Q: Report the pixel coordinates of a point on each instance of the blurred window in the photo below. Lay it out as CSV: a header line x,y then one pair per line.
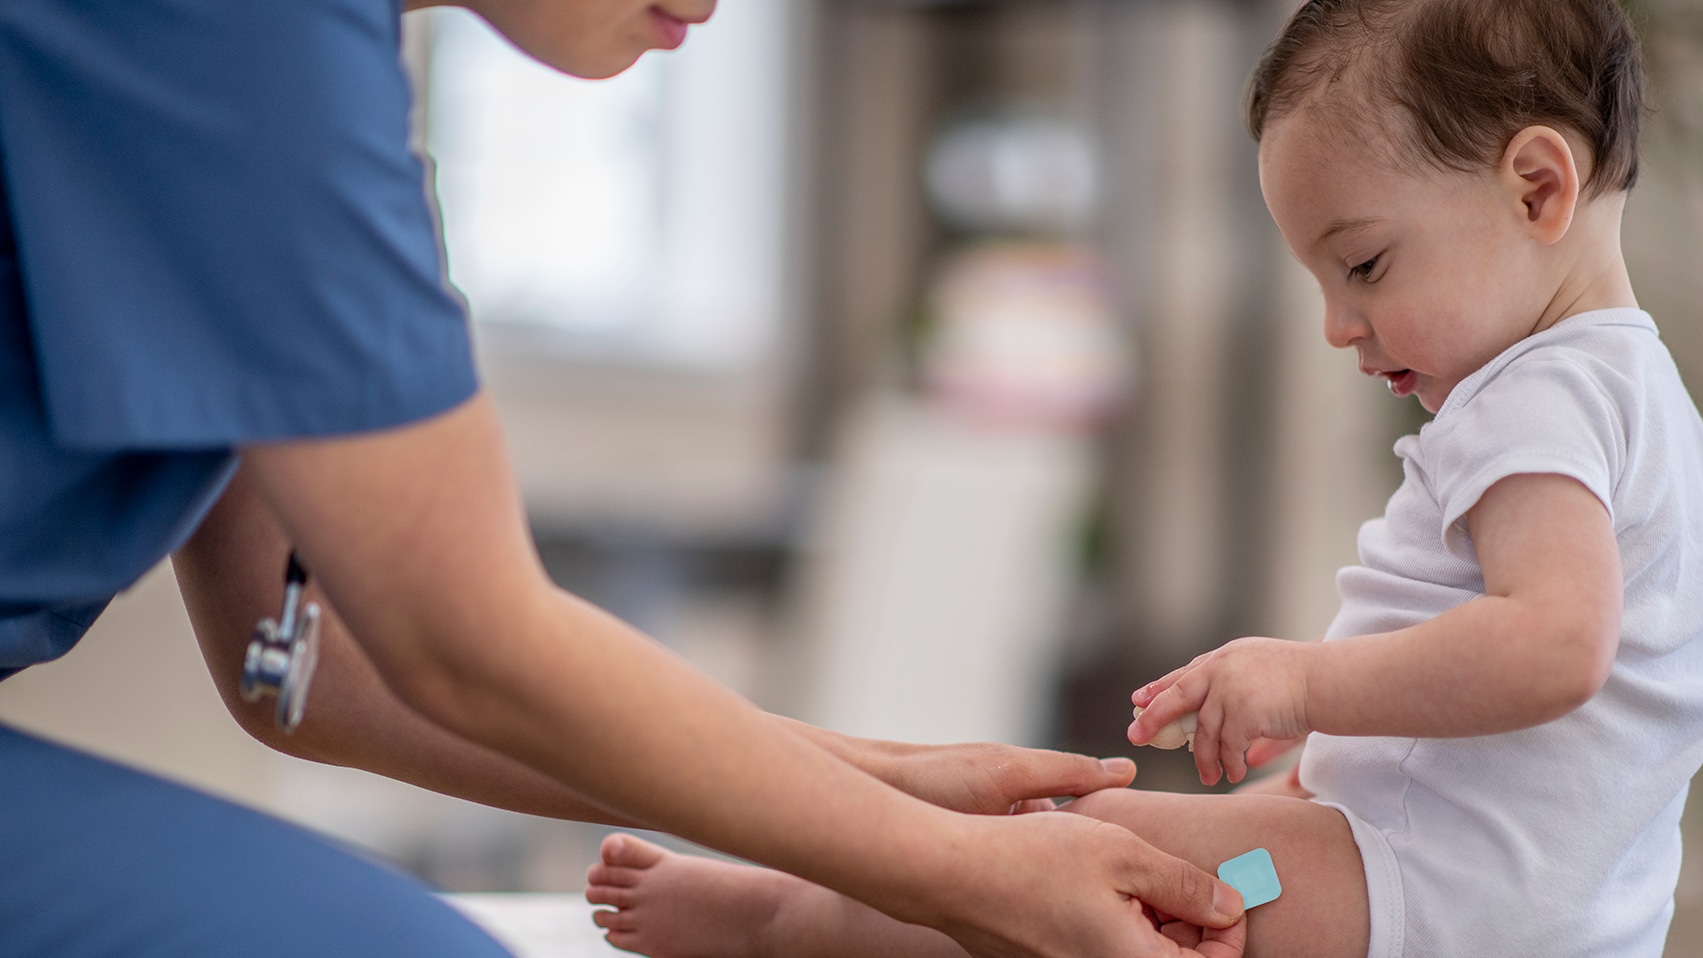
x,y
637,219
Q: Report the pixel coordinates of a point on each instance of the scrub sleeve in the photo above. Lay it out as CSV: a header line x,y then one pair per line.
x,y
211,234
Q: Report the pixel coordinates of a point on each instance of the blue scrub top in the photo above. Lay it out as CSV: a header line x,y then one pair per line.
x,y
212,233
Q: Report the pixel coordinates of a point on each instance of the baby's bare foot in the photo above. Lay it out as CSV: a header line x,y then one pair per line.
x,y
680,906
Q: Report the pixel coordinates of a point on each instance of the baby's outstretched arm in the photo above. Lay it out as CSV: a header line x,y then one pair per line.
x,y
1535,646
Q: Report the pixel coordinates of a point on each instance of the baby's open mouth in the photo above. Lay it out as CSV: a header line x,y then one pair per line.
x,y
1400,381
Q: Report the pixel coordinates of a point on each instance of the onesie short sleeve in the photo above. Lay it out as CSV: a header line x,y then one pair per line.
x,y
1546,412
221,234
212,233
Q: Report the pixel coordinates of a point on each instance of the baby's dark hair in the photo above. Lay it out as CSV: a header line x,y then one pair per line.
x,y
1469,74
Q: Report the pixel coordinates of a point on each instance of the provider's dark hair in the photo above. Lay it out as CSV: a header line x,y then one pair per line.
x,y
1470,74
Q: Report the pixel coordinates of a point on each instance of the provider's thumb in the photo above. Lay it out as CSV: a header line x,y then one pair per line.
x,y
1178,888
1078,775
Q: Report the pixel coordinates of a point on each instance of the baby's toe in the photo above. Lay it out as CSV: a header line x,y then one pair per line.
x,y
626,851
619,897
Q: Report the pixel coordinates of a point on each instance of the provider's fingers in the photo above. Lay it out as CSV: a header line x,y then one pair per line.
x,y
1177,888
1037,773
1223,942
1181,932
1207,942
986,779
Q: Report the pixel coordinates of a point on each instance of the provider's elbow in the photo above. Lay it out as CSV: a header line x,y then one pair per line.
x,y
444,676
259,720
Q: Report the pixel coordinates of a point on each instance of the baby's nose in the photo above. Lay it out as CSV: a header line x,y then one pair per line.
x,y
1344,327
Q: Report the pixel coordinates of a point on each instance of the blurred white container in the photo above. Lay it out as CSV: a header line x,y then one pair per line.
x,y
937,587
1026,333
1015,170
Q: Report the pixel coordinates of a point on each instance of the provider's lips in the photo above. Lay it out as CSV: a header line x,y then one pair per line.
x,y
670,29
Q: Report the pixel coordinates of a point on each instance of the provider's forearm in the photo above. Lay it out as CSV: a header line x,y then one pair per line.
x,y
417,538
230,574
623,721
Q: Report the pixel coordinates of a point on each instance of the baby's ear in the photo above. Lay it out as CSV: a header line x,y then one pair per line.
x,y
1540,174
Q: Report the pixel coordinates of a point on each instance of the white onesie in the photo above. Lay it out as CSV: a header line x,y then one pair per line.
x,y
1560,840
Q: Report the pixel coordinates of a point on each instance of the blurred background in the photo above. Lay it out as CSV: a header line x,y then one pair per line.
x,y
922,370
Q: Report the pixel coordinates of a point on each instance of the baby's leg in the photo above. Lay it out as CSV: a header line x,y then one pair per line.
x,y
1322,912
673,906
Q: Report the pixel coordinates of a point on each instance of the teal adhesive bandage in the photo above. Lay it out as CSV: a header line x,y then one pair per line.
x,y
1253,875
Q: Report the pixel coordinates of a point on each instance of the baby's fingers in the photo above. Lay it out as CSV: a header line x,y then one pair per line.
x,y
1147,693
1232,752
1206,743
1165,708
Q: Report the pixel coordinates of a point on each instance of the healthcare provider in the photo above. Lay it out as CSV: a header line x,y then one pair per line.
x,y
224,335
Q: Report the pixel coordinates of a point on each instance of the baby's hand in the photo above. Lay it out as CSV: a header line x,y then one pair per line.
x,y
1175,735
1250,689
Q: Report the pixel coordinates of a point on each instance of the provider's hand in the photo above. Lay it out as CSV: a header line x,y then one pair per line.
x,y
988,779
1189,936
1250,689
978,777
1053,885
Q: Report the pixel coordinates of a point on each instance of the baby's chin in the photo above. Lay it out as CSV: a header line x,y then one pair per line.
x,y
1433,400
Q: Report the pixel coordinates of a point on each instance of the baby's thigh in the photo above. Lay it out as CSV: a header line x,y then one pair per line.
x,y
1322,912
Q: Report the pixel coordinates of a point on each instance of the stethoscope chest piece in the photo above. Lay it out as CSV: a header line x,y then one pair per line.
x,y
283,652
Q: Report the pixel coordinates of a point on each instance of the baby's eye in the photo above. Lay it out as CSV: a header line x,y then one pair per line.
x,y
1364,270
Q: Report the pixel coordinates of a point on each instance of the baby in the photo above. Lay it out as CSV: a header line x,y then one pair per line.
x,y
1502,721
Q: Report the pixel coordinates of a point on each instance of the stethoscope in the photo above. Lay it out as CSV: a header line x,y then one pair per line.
x,y
282,653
